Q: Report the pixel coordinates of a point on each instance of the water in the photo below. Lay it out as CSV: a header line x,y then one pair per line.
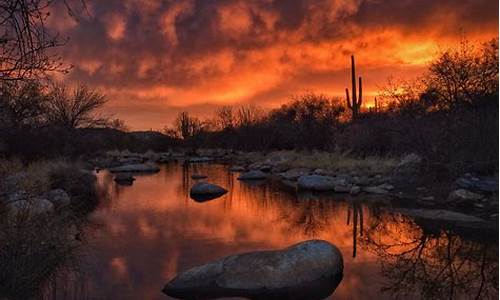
x,y
143,235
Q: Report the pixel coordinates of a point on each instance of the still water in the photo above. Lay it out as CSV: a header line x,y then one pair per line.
x,y
143,235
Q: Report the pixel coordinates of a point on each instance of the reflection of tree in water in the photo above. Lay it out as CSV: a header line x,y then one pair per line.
x,y
356,210
310,215
442,265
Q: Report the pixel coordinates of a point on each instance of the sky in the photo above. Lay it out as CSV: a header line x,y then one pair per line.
x,y
156,58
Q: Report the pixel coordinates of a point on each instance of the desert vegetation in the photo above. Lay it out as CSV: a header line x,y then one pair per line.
x,y
448,116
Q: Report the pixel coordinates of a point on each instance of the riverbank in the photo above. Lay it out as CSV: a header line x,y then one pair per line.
x,y
409,178
42,209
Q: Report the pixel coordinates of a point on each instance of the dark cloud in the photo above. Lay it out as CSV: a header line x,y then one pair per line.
x,y
195,52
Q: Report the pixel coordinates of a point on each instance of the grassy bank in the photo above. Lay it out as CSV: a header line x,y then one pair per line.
x,y
36,246
333,162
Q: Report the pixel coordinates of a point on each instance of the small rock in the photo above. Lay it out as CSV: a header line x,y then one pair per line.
x,y
253,175
140,168
441,215
320,172
355,190
199,159
124,178
342,188
206,191
237,169
265,168
462,195
294,174
386,186
375,190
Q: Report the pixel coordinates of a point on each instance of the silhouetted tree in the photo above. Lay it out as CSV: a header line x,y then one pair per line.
x,y
25,42
225,118
77,108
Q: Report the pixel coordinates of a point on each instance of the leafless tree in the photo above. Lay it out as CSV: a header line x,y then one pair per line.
x,y
248,115
23,103
224,118
187,126
25,42
77,108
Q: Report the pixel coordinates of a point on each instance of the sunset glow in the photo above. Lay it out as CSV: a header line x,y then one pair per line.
x,y
156,58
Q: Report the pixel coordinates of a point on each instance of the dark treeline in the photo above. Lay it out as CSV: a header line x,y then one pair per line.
x,y
449,116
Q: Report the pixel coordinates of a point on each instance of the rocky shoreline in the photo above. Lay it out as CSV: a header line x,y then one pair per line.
x,y
400,180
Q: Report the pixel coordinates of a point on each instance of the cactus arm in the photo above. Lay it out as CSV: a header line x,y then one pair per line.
x,y
360,99
347,98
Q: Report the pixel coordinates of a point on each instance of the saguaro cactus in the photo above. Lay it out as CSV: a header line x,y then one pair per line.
x,y
357,100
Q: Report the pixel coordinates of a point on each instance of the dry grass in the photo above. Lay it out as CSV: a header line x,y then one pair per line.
x,y
32,251
329,161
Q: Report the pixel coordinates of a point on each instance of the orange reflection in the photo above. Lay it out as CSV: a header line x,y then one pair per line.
x,y
156,231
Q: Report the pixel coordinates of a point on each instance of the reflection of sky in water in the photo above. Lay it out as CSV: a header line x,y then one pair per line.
x,y
144,234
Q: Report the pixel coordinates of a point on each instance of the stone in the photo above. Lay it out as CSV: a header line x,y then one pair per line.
x,y
355,190
363,180
386,186
263,274
139,168
440,215
463,196
202,191
294,174
342,188
265,168
253,175
124,178
237,169
375,190
199,159
320,172
58,197
317,183
469,182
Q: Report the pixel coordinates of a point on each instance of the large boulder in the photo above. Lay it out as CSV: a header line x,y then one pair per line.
x,y
320,183
294,272
253,175
201,191
139,168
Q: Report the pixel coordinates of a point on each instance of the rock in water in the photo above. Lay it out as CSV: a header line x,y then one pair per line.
x,y
124,179
140,168
302,271
253,175
202,191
